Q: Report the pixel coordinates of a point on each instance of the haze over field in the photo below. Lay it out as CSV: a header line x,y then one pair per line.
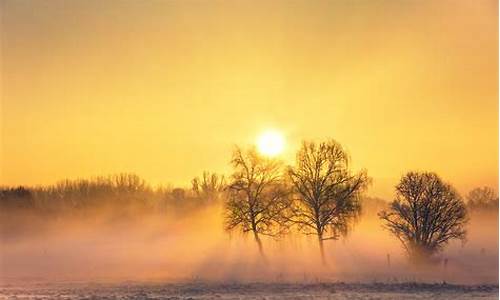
x,y
106,246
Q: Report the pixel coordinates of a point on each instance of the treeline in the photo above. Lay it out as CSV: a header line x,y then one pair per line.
x,y
318,195
115,192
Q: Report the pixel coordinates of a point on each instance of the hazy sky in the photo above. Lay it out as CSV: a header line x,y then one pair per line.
x,y
165,89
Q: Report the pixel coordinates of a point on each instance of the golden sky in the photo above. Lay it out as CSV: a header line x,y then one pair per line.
x,y
165,89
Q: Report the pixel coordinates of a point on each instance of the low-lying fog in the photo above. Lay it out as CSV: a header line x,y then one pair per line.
x,y
166,246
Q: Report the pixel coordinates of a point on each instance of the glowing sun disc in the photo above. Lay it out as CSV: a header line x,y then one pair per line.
x,y
271,143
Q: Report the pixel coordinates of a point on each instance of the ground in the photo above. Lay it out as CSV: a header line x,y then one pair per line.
x,y
241,291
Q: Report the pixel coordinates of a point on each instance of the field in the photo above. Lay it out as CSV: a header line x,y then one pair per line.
x,y
292,291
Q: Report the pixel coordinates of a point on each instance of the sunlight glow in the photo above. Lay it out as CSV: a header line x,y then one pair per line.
x,y
271,143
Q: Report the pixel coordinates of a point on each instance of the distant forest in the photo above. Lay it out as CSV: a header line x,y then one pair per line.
x,y
119,192
129,190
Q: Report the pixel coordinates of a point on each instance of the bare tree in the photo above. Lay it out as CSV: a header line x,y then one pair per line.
x,y
485,199
209,186
426,214
328,193
256,197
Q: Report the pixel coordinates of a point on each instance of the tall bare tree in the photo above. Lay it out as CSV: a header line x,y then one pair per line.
x,y
328,193
426,214
256,197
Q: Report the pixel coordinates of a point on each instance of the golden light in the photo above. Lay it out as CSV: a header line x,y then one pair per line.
x,y
271,143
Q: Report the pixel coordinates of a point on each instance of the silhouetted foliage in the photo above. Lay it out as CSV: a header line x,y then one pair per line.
x,y
16,198
209,187
121,194
483,199
256,196
116,190
426,214
327,192
179,194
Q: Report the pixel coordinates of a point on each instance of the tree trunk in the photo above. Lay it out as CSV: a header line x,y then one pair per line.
x,y
259,243
322,250
419,255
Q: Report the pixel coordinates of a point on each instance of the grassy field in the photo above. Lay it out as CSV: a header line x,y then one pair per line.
x,y
292,291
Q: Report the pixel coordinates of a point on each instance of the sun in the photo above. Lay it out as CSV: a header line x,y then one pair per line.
x,y
271,143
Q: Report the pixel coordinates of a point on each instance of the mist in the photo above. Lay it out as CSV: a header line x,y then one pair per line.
x,y
111,243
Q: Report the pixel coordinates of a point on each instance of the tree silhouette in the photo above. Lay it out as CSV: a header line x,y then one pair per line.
x,y
209,187
256,197
328,194
426,214
484,198
12,198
